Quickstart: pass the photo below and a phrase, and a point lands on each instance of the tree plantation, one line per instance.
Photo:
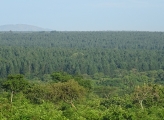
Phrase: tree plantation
(101, 75)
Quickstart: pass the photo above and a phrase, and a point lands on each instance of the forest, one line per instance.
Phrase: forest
(82, 75)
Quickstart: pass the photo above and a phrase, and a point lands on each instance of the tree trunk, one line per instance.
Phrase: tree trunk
(73, 105)
(140, 101)
(71, 102)
(11, 97)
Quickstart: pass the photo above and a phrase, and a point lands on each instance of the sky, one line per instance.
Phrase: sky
(85, 15)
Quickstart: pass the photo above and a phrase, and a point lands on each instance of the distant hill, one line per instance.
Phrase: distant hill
(22, 27)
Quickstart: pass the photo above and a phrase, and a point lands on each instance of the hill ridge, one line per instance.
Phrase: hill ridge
(21, 27)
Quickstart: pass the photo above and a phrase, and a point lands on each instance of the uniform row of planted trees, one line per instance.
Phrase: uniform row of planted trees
(39, 53)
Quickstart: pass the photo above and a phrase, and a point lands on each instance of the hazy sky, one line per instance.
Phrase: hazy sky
(140, 15)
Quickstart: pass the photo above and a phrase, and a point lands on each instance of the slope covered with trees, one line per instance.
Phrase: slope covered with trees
(39, 53)
(81, 75)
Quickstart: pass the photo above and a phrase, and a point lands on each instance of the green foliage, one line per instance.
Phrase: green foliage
(55, 92)
(147, 94)
(118, 113)
(83, 82)
(1, 82)
(64, 101)
(60, 77)
(36, 93)
(117, 73)
(37, 53)
(25, 111)
(68, 91)
(106, 91)
(15, 83)
(124, 102)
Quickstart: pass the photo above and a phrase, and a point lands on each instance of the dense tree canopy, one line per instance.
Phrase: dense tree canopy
(82, 75)
(37, 53)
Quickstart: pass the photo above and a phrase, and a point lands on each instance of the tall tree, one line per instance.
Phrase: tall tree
(15, 83)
